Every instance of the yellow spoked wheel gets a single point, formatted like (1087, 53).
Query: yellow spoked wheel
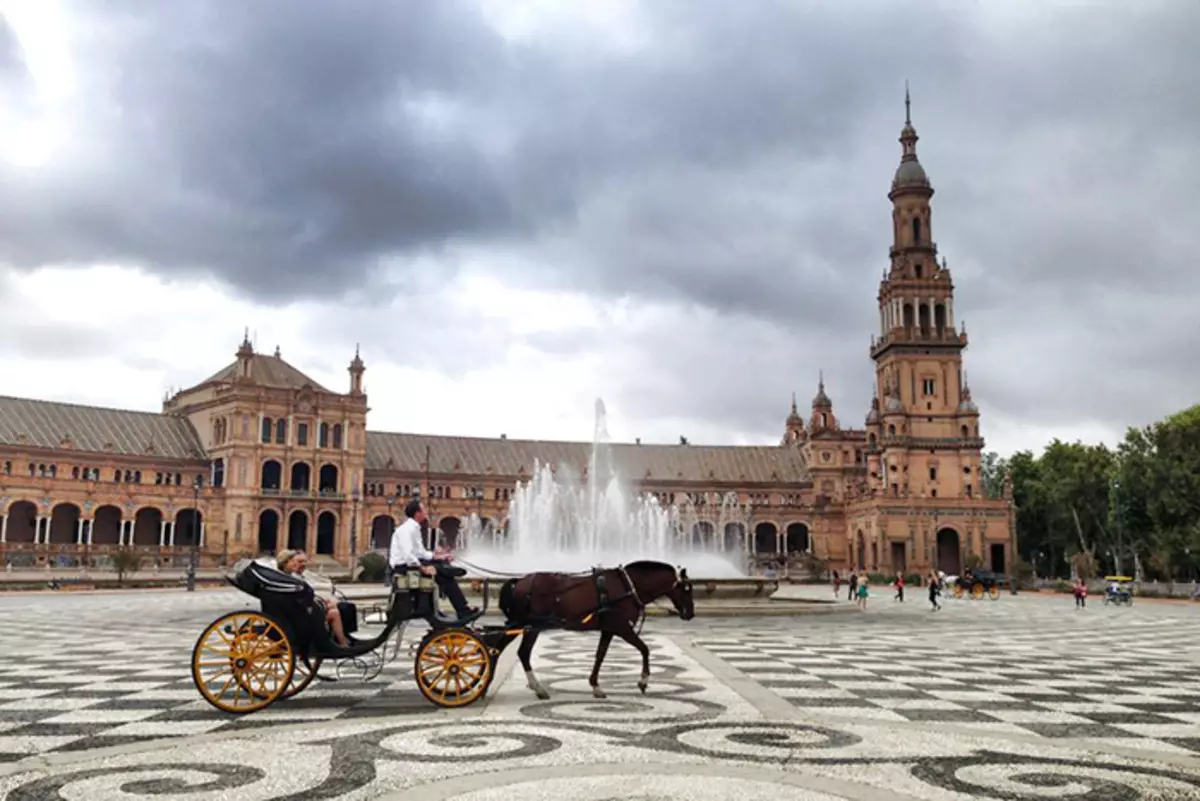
(994, 592)
(243, 662)
(453, 667)
(958, 590)
(976, 591)
(302, 676)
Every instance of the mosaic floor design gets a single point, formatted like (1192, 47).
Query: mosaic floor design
(892, 704)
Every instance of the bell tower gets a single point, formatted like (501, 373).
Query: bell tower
(928, 431)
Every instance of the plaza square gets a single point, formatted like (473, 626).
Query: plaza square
(988, 699)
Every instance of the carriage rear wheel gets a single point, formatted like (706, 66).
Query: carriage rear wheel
(243, 662)
(958, 590)
(306, 671)
(453, 667)
(994, 592)
(976, 591)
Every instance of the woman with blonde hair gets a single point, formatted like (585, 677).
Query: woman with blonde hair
(295, 563)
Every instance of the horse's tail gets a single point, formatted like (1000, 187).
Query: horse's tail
(508, 597)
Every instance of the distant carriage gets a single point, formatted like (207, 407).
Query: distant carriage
(976, 584)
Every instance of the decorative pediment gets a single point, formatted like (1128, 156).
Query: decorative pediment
(391, 464)
(109, 447)
(150, 450)
(66, 442)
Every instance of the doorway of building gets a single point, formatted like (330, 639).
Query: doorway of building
(899, 557)
(998, 565)
(949, 554)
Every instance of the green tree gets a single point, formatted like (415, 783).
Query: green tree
(126, 561)
(992, 468)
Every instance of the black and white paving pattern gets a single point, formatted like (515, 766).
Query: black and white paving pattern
(1018, 698)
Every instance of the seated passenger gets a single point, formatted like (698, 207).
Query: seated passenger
(295, 562)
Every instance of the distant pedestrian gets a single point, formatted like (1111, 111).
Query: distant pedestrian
(853, 587)
(1080, 594)
(934, 590)
(899, 585)
(837, 584)
(862, 593)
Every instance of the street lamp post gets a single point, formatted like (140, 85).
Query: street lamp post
(194, 557)
(355, 495)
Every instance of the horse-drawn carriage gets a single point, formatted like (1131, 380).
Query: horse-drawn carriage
(246, 660)
(1118, 591)
(977, 583)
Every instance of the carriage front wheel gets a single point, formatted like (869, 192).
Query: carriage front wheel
(243, 662)
(994, 592)
(976, 591)
(958, 590)
(453, 667)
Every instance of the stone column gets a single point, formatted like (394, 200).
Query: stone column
(79, 531)
(201, 542)
(3, 528)
(162, 534)
(171, 534)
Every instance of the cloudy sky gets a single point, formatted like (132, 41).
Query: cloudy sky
(519, 205)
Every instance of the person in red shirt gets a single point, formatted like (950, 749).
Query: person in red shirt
(899, 585)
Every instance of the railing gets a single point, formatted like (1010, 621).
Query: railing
(326, 494)
(18, 556)
(927, 246)
(914, 334)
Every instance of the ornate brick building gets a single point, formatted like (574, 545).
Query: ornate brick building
(259, 456)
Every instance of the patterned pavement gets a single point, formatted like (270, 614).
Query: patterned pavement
(1018, 698)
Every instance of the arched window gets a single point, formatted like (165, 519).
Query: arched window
(281, 432)
(267, 425)
(916, 230)
(323, 436)
(337, 435)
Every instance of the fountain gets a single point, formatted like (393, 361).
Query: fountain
(563, 521)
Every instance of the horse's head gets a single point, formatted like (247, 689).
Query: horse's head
(681, 595)
(658, 580)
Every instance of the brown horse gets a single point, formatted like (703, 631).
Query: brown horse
(608, 600)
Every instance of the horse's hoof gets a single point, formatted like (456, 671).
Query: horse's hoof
(642, 686)
(598, 693)
(543, 696)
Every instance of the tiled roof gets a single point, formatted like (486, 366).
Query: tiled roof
(267, 371)
(509, 457)
(46, 424)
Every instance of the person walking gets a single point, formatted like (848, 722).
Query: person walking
(837, 584)
(1080, 594)
(899, 585)
(853, 586)
(862, 593)
(934, 591)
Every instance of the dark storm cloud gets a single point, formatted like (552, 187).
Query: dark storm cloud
(736, 157)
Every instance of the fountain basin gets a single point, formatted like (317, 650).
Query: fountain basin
(703, 589)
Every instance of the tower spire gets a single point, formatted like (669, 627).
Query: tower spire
(907, 105)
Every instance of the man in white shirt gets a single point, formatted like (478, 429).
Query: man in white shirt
(408, 552)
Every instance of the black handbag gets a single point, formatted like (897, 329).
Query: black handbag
(349, 613)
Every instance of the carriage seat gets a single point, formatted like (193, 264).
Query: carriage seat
(270, 585)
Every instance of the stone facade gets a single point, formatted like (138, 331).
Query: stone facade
(259, 456)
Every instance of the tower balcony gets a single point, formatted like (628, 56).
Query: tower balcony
(921, 336)
(917, 247)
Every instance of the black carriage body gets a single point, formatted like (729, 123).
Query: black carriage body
(287, 599)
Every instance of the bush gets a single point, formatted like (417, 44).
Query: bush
(1025, 574)
(914, 579)
(373, 566)
(125, 560)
